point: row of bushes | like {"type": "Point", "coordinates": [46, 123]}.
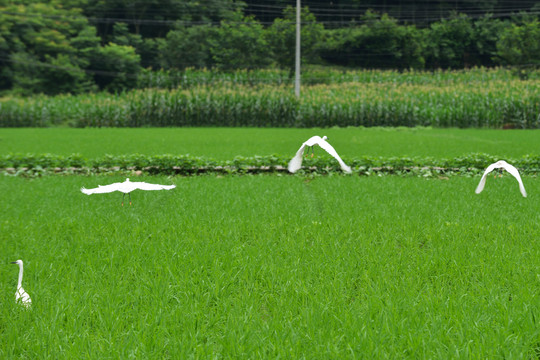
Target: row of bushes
{"type": "Point", "coordinates": [493, 104]}
{"type": "Point", "coordinates": [380, 42]}
{"type": "Point", "coordinates": [24, 164]}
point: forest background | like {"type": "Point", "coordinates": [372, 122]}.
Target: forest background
{"type": "Point", "coordinates": [79, 46]}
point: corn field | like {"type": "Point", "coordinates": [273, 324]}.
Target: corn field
{"type": "Point", "coordinates": [313, 75]}
{"type": "Point", "coordinates": [479, 98]}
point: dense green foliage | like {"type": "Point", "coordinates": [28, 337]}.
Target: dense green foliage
{"type": "Point", "coordinates": [296, 267]}
{"type": "Point", "coordinates": [46, 164]}
{"type": "Point", "coordinates": [55, 47]}
{"type": "Point", "coordinates": [45, 49]}
{"type": "Point", "coordinates": [483, 98]}
{"type": "Point", "coordinates": [344, 12]}
{"type": "Point", "coordinates": [521, 45]}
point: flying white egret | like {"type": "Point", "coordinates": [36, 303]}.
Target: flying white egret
{"type": "Point", "coordinates": [126, 187]}
{"type": "Point", "coordinates": [21, 295]}
{"type": "Point", "coordinates": [296, 161]}
{"type": "Point", "coordinates": [506, 166]}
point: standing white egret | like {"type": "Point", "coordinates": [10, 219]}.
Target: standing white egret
{"type": "Point", "coordinates": [21, 295]}
{"type": "Point", "coordinates": [126, 187]}
{"type": "Point", "coordinates": [501, 164]}
{"type": "Point", "coordinates": [296, 161]}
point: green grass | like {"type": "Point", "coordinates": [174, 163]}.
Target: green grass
{"type": "Point", "coordinates": [226, 143]}
{"type": "Point", "coordinates": [272, 267]}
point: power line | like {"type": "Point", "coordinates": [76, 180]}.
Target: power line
{"type": "Point", "coordinates": [351, 16]}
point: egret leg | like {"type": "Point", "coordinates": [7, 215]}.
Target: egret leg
{"type": "Point", "coordinates": [129, 198]}
{"type": "Point", "coordinates": [123, 196]}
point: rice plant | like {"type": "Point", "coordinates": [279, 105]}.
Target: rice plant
{"type": "Point", "coordinates": [224, 144]}
{"type": "Point", "coordinates": [268, 267]}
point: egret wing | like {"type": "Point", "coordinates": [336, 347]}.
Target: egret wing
{"type": "Point", "coordinates": [296, 161]}
{"type": "Point", "coordinates": [102, 189]}
{"type": "Point", "coordinates": [314, 140]}
{"type": "Point", "coordinates": [515, 173]}
{"type": "Point", "coordinates": [147, 186]}
{"type": "Point", "coordinates": [330, 149]}
{"type": "Point", "coordinates": [482, 182]}
{"type": "Point", "coordinates": [23, 296]}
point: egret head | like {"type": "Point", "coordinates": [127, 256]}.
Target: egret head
{"type": "Point", "coordinates": [324, 137]}
{"type": "Point", "coordinates": [127, 179]}
{"type": "Point", "coordinates": [18, 262]}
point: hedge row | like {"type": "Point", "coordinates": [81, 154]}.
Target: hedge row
{"type": "Point", "coordinates": [31, 164]}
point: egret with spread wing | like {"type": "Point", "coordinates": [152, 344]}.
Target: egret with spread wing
{"type": "Point", "coordinates": [501, 164]}
{"type": "Point", "coordinates": [21, 295]}
{"type": "Point", "coordinates": [126, 187]}
{"type": "Point", "coordinates": [296, 161]}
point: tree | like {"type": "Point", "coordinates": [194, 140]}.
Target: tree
{"type": "Point", "coordinates": [239, 43]}
{"type": "Point", "coordinates": [155, 18]}
{"type": "Point", "coordinates": [187, 47]}
{"type": "Point", "coordinates": [379, 43]}
{"type": "Point", "coordinates": [39, 44]}
{"type": "Point", "coordinates": [519, 45]}
{"type": "Point", "coordinates": [486, 32]}
{"type": "Point", "coordinates": [449, 42]}
{"type": "Point", "coordinates": [145, 48]}
{"type": "Point", "coordinates": [281, 37]}
{"type": "Point", "coordinates": [117, 67]}
{"type": "Point", "coordinates": [236, 44]}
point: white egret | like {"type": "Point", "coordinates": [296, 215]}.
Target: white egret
{"type": "Point", "coordinates": [296, 161]}
{"type": "Point", "coordinates": [21, 295]}
{"type": "Point", "coordinates": [501, 164]}
{"type": "Point", "coordinates": [126, 187]}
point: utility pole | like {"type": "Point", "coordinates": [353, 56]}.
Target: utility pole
{"type": "Point", "coordinates": [297, 67]}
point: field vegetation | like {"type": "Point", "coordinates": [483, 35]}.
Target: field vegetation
{"type": "Point", "coordinates": [242, 260]}
{"type": "Point", "coordinates": [482, 99]}
{"type": "Point", "coordinates": [227, 143]}
{"type": "Point", "coordinates": [369, 151]}
{"type": "Point", "coordinates": [269, 266]}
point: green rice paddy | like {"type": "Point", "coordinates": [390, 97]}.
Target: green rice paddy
{"type": "Point", "coordinates": [271, 266]}
{"type": "Point", "coordinates": [226, 143]}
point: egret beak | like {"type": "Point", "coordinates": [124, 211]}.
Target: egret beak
{"type": "Point", "coordinates": [13, 262]}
